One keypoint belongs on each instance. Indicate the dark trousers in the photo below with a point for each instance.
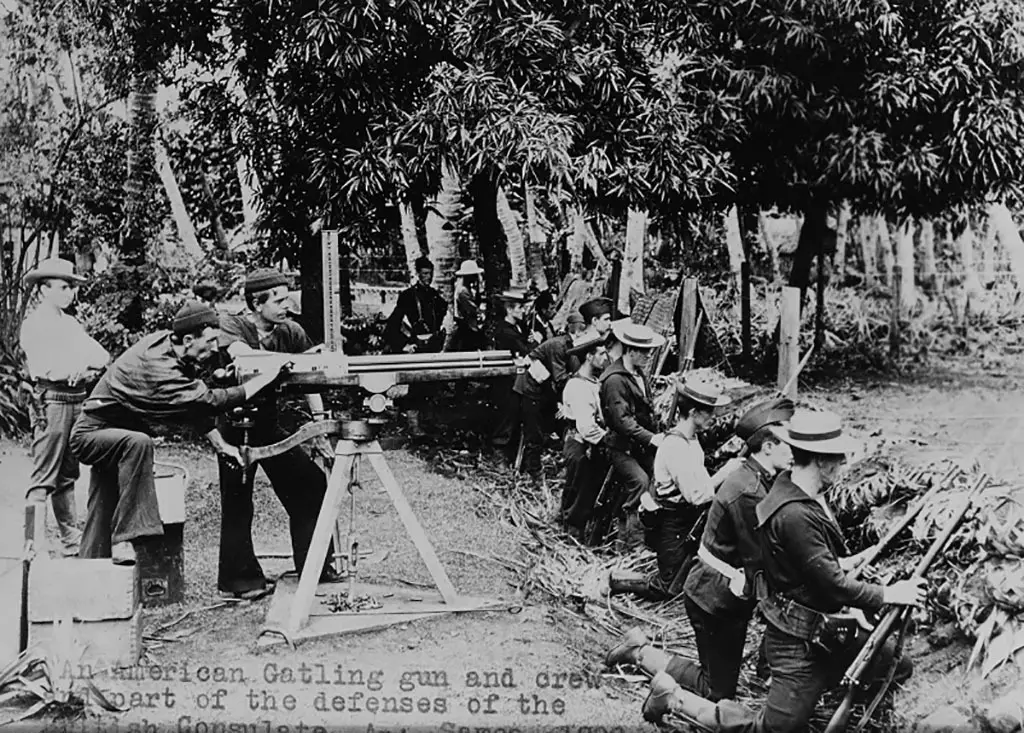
(634, 471)
(669, 538)
(720, 640)
(522, 413)
(122, 502)
(300, 485)
(800, 674)
(54, 467)
(585, 469)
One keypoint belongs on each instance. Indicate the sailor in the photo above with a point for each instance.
(416, 325)
(719, 598)
(469, 333)
(63, 362)
(574, 324)
(543, 310)
(154, 381)
(597, 315)
(297, 481)
(585, 462)
(509, 335)
(810, 640)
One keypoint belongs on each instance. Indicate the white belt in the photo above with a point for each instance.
(737, 578)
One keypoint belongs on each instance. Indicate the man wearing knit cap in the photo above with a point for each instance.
(298, 482)
(597, 315)
(154, 381)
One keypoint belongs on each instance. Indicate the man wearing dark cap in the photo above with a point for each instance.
(718, 589)
(154, 381)
(597, 315)
(417, 322)
(298, 482)
(574, 324)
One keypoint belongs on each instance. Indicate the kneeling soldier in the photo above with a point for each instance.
(805, 569)
(718, 589)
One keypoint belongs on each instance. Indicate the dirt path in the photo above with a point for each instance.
(946, 412)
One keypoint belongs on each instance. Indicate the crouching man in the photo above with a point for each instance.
(154, 381)
(808, 585)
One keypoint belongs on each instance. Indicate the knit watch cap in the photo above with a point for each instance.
(264, 279)
(193, 316)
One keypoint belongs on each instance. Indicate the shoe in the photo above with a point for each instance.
(330, 575)
(624, 582)
(123, 553)
(625, 651)
(659, 699)
(253, 594)
(667, 696)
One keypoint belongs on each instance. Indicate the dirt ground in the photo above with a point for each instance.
(531, 644)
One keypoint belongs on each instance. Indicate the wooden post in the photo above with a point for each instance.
(745, 309)
(789, 339)
(894, 323)
(819, 310)
(687, 318)
(331, 289)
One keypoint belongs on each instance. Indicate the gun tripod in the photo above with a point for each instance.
(292, 616)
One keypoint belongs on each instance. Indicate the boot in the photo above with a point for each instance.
(626, 651)
(666, 696)
(123, 553)
(415, 429)
(623, 582)
(64, 512)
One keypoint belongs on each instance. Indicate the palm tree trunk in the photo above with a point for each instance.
(885, 242)
(483, 190)
(633, 258)
(868, 238)
(183, 222)
(905, 258)
(1009, 235)
(535, 241)
(140, 186)
(577, 240)
(441, 244)
(514, 238)
(965, 243)
(409, 238)
(929, 266)
(842, 230)
(988, 254)
(734, 242)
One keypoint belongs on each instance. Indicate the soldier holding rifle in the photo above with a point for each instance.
(806, 573)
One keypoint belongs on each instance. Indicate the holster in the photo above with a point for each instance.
(827, 633)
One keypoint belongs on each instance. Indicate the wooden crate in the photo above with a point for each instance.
(102, 600)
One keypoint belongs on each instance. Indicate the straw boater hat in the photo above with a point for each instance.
(816, 432)
(513, 295)
(636, 335)
(468, 267)
(772, 412)
(703, 393)
(586, 341)
(54, 268)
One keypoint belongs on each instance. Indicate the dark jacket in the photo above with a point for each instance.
(627, 411)
(421, 310)
(512, 338)
(553, 354)
(801, 546)
(731, 535)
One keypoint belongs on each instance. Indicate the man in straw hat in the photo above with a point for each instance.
(62, 362)
(468, 335)
(679, 488)
(719, 597)
(805, 570)
(626, 403)
(585, 462)
(297, 481)
(154, 381)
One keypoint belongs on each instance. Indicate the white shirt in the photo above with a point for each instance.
(56, 345)
(581, 402)
(679, 473)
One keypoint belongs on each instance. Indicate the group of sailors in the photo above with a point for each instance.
(770, 541)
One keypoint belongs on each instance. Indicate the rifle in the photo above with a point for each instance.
(685, 365)
(858, 669)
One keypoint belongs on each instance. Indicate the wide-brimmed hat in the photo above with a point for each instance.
(586, 341)
(816, 432)
(595, 308)
(513, 295)
(772, 412)
(702, 392)
(54, 268)
(637, 335)
(468, 267)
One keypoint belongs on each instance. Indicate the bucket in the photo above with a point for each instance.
(170, 492)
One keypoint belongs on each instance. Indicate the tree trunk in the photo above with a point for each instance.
(734, 243)
(867, 235)
(577, 240)
(444, 251)
(988, 254)
(770, 246)
(220, 237)
(929, 266)
(483, 190)
(514, 238)
(905, 258)
(140, 187)
(590, 240)
(1009, 236)
(810, 245)
(842, 230)
(886, 244)
(409, 238)
(632, 258)
(535, 241)
(182, 221)
(965, 243)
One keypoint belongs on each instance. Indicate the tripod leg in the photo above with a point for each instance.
(413, 527)
(326, 524)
